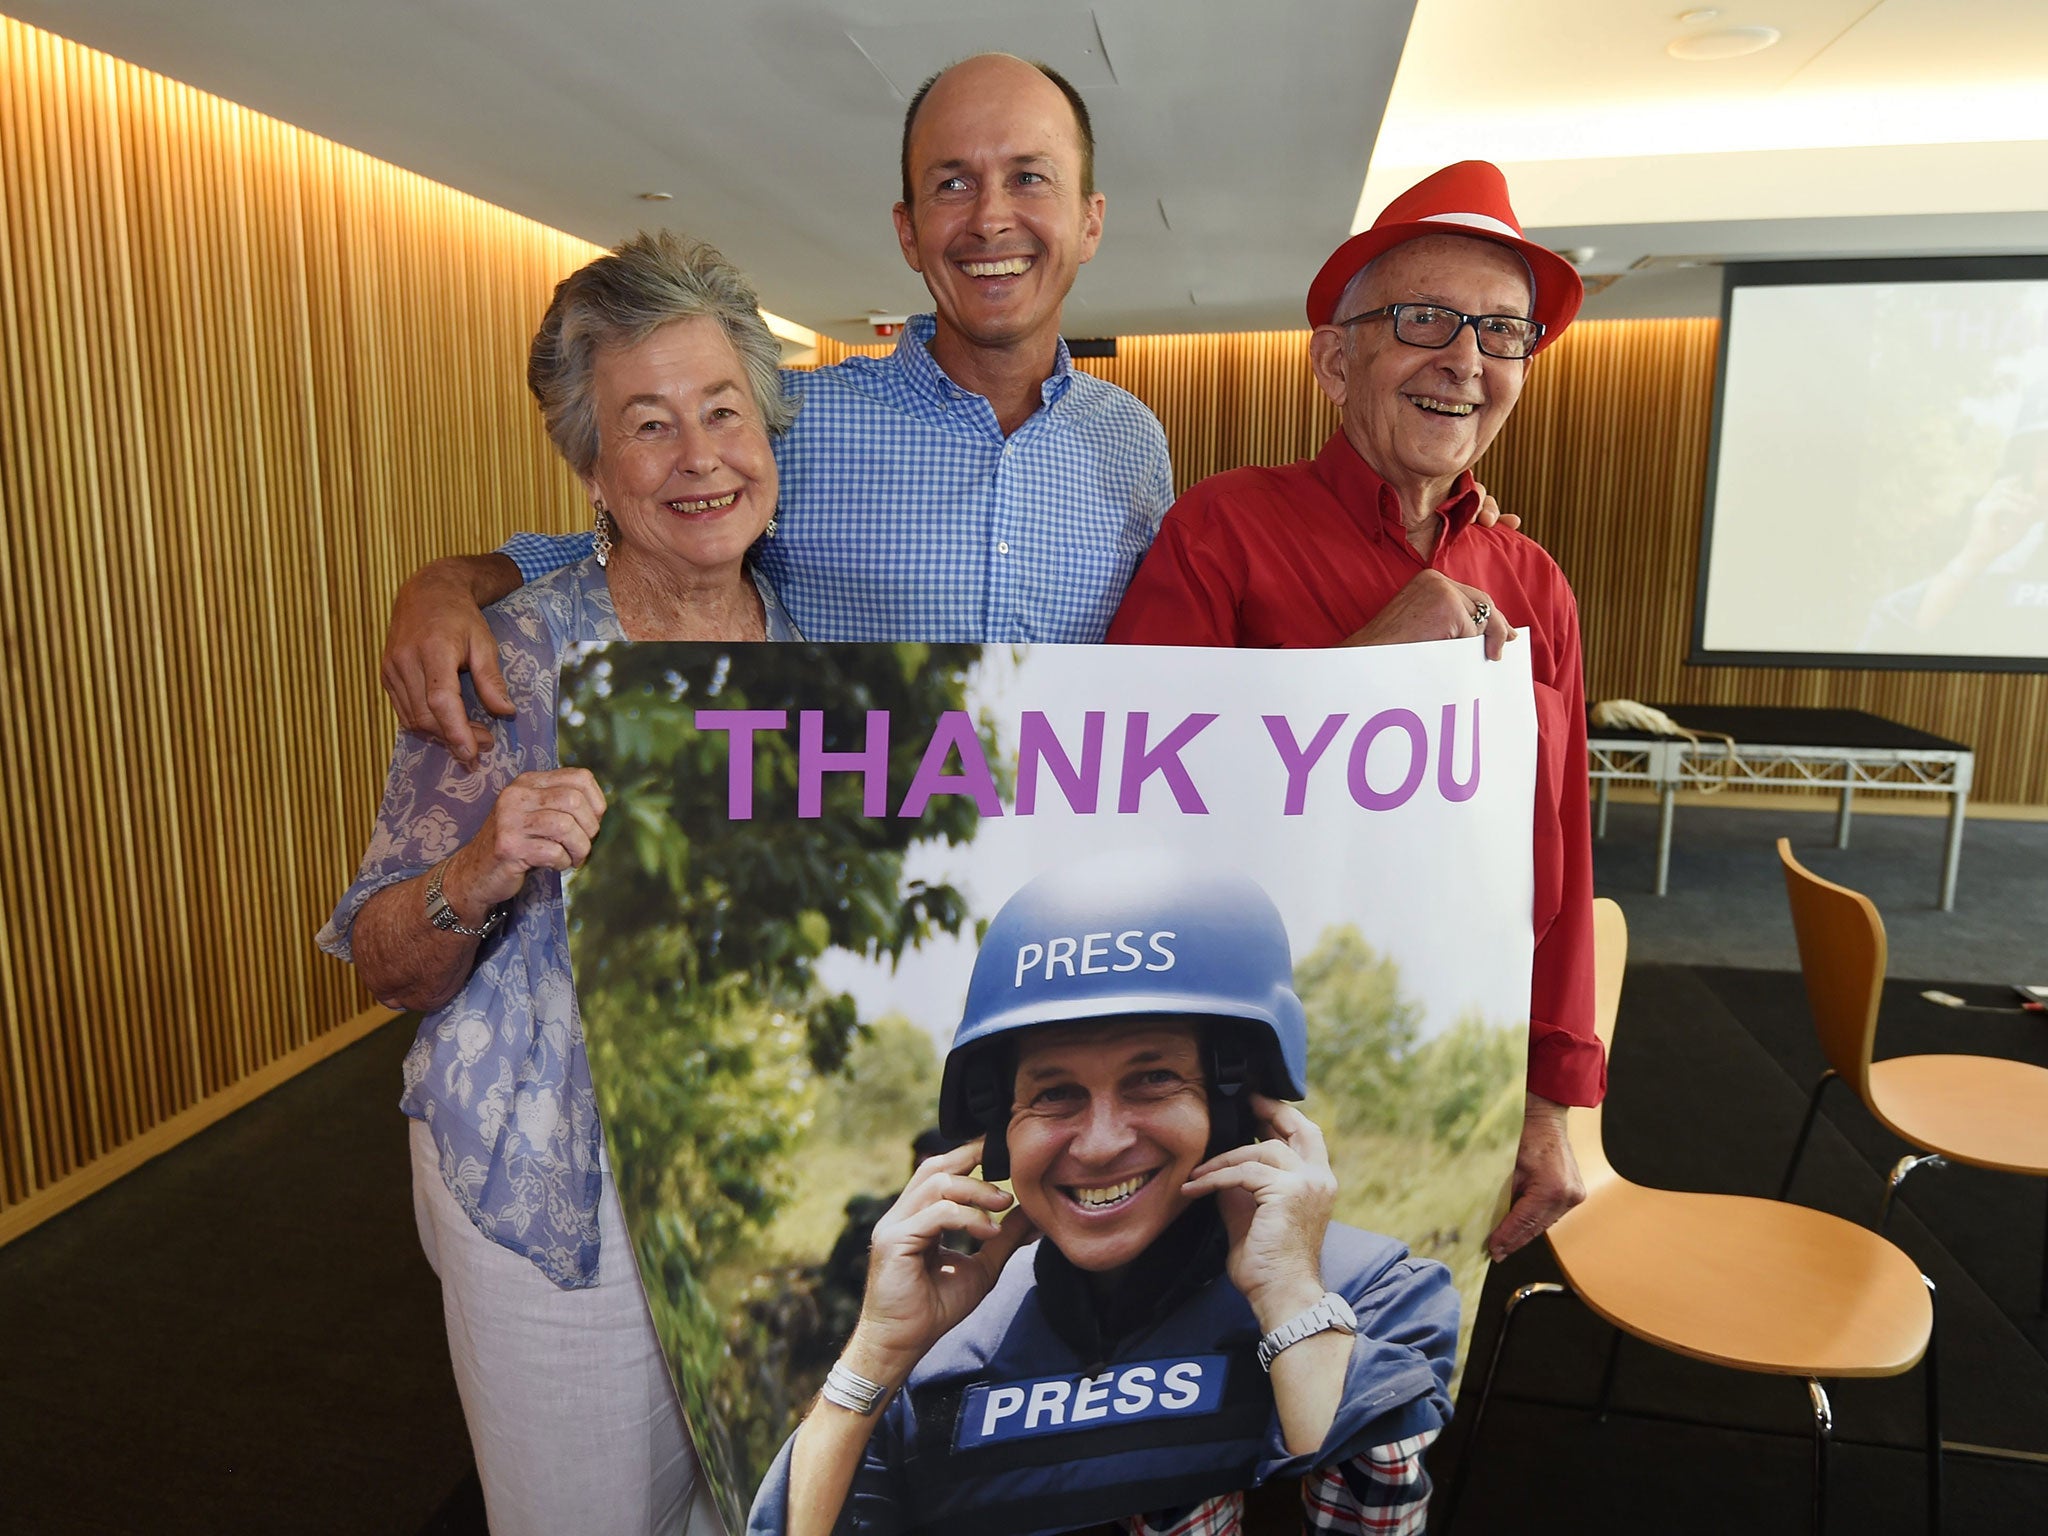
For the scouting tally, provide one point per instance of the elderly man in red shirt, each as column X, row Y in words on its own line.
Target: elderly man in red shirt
column 1424, row 326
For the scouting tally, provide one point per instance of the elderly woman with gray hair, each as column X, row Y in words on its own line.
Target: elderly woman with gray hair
column 658, row 381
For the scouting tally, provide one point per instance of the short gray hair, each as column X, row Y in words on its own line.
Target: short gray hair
column 621, row 299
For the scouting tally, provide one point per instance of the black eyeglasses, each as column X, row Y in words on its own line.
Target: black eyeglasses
column 1435, row 327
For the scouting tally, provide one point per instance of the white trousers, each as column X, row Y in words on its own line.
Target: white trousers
column 571, row 1412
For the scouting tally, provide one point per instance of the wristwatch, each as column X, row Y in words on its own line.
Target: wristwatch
column 444, row 917
column 1333, row 1312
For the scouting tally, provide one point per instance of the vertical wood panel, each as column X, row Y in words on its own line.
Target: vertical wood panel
column 248, row 380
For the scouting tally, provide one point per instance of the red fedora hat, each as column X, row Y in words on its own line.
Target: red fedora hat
column 1469, row 198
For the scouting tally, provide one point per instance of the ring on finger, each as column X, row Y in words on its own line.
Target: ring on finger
column 1481, row 614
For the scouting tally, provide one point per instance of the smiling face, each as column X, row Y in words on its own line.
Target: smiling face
column 1421, row 417
column 1107, row 1123
column 683, row 461
column 999, row 225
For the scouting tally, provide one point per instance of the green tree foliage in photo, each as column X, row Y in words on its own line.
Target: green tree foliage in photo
column 1421, row 1132
column 1367, row 1062
column 1360, row 1028
column 695, row 939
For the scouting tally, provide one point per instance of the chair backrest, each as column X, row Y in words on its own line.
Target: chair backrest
column 1842, row 954
column 1610, row 959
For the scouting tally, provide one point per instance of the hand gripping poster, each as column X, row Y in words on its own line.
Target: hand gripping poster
column 1087, row 1074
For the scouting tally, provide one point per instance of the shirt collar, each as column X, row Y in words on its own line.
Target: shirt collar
column 1180, row 1261
column 913, row 355
column 1359, row 487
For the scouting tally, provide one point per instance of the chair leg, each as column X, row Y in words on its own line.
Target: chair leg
column 1607, row 1377
column 1500, row 1344
column 1805, row 1130
column 1900, row 1169
column 1823, row 1428
column 1930, row 1364
column 2044, row 1255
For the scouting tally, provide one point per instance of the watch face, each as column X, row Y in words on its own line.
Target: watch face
column 1341, row 1310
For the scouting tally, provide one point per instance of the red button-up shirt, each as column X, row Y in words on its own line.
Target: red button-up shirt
column 1306, row 554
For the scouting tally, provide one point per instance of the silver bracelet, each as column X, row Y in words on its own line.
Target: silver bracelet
column 851, row 1390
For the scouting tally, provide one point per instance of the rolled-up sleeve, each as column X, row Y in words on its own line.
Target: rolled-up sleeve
column 432, row 804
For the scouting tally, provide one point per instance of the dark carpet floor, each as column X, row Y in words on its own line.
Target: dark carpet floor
column 1726, row 901
column 240, row 1336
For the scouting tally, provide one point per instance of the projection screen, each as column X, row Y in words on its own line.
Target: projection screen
column 1877, row 490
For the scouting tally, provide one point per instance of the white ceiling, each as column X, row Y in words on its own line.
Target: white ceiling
column 1873, row 127
column 1234, row 138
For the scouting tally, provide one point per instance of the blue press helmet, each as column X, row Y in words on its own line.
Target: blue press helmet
column 1130, row 936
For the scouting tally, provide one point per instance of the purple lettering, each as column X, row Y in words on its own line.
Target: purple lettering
column 813, row 762
column 1447, row 783
column 1297, row 759
column 1164, row 759
column 1418, row 757
column 1037, row 742
column 955, row 733
column 739, row 782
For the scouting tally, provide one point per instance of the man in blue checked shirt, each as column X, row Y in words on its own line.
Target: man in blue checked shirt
column 972, row 486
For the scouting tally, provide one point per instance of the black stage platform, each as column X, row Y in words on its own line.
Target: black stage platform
column 1791, row 728
column 1758, row 747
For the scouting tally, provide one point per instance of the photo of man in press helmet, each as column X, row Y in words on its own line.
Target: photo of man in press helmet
column 1161, row 1313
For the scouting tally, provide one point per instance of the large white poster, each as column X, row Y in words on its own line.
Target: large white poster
column 807, row 850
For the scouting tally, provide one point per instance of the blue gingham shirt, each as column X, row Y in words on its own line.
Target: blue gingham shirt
column 906, row 514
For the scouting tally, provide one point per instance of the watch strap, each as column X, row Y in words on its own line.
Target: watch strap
column 852, row 1391
column 1331, row 1313
column 441, row 912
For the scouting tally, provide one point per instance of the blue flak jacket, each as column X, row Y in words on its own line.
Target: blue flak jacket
column 1039, row 1414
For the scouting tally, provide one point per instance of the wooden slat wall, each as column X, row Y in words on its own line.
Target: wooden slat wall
column 1605, row 459
column 250, row 378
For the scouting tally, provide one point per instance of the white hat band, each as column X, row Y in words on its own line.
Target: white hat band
column 1473, row 221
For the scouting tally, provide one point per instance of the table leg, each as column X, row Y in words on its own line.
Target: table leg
column 1842, row 811
column 1667, row 800
column 1600, row 808
column 1953, row 854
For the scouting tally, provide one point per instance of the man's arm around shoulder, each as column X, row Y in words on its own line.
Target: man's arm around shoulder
column 438, row 632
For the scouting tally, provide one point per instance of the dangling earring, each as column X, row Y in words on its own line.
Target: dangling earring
column 769, row 531
column 604, row 535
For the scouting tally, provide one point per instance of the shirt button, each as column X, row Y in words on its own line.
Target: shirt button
column 1002, row 546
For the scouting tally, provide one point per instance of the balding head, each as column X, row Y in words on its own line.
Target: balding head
column 981, row 72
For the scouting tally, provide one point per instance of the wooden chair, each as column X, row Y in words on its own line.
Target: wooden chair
column 1987, row 1111
column 1755, row 1284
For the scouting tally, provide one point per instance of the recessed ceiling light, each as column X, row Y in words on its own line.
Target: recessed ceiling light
column 1728, row 43
column 1688, row 18
column 657, row 197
